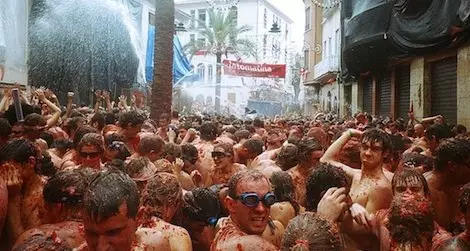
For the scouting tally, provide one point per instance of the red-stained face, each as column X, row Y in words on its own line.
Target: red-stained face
column 251, row 220
column 411, row 186
column 113, row 234
column 315, row 157
column 90, row 156
column 372, row 154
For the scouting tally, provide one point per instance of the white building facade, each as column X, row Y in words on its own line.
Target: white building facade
column 326, row 72
column 272, row 48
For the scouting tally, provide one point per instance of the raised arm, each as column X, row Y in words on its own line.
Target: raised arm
column 335, row 149
column 56, row 116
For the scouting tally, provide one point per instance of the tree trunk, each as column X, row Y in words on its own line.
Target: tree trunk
column 218, row 78
column 163, row 59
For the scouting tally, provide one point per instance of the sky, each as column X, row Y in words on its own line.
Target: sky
column 296, row 11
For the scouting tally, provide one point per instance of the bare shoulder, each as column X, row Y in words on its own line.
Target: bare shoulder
column 247, row 243
column 151, row 239
column 239, row 167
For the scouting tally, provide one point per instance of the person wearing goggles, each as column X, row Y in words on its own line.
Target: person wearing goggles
column 248, row 202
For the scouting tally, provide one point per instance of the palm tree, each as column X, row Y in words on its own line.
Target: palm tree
column 163, row 59
column 221, row 38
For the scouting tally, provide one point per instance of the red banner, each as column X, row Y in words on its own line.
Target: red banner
column 236, row 68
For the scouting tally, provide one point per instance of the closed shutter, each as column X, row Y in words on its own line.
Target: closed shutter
column 402, row 78
column 385, row 95
column 367, row 95
column 444, row 89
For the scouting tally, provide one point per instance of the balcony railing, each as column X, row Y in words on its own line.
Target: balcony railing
column 328, row 64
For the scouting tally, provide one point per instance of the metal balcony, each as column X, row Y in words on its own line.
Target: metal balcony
column 328, row 65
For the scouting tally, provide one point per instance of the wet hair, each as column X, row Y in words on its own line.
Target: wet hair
column 110, row 118
column 81, row 131
column 283, row 188
column 46, row 167
column 19, row 150
column 246, row 175
column 91, row 139
column 409, row 219
column 62, row 144
column 48, row 137
column 161, row 190
column 164, row 116
column 42, row 243
column 257, row 122
column 287, row 157
column 110, row 138
column 415, row 159
column 306, row 146
column 201, row 204
column 254, row 146
column 74, row 123
column 228, row 148
column 150, row 143
column 464, row 198
column 454, row 244
column 309, row 232
column 438, row 131
column 5, row 128
column 410, row 175
column 461, row 129
column 132, row 118
column 232, row 130
column 137, row 165
column 292, row 139
column 108, row 191
column 323, row 178
column 116, row 165
column 68, row 186
column 171, row 150
column 377, row 136
column 189, row 153
column 454, row 150
column 208, row 131
column 100, row 118
column 242, row 134
column 35, row 119
column 10, row 114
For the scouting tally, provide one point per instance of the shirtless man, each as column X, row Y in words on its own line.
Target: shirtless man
column 205, row 148
column 310, row 151
column 63, row 195
column 20, row 160
column 130, row 124
column 224, row 165
column 409, row 223
column 150, row 146
column 370, row 187
column 464, row 206
column 248, row 202
column 249, row 151
column 161, row 199
column 451, row 171
column 109, row 216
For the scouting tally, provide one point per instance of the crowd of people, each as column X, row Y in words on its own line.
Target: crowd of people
column 110, row 178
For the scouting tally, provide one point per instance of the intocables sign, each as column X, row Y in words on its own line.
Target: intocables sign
column 236, row 68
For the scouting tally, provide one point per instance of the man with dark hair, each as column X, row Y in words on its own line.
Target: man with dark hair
column 434, row 135
column 20, row 161
column 150, row 146
column 451, row 171
column 249, row 150
column 190, row 156
column 205, row 148
column 309, row 153
column 375, row 148
column 163, row 126
column 130, row 124
column 109, row 215
column 225, row 165
column 98, row 121
column 161, row 199
column 249, row 200
column 63, row 196
column 288, row 157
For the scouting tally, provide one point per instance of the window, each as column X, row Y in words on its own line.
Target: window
column 338, row 42
column 265, row 42
column 306, row 59
column 232, row 98
column 307, row 18
column 330, row 48
column 202, row 17
column 324, row 50
column 210, row 73
column 192, row 37
column 193, row 19
column 265, row 18
column 287, row 33
column 151, row 19
column 234, row 10
column 201, row 71
column 201, row 40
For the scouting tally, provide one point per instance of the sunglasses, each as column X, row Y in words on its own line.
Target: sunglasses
column 252, row 199
column 220, row 154
column 91, row 155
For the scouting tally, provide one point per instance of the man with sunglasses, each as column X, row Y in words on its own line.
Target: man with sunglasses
column 225, row 166
column 248, row 202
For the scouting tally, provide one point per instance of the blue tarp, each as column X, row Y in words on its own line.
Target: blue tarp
column 181, row 65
